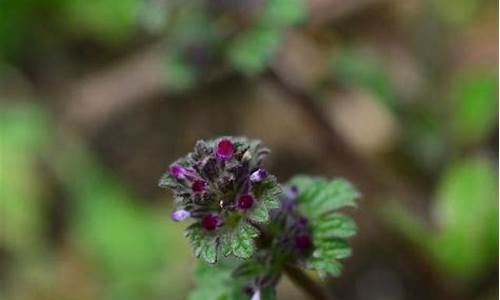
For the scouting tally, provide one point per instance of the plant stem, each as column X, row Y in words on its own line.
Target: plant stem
column 309, row 286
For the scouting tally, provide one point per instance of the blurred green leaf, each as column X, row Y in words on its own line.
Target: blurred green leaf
column 24, row 131
column 251, row 51
column 108, row 20
column 466, row 210
column 366, row 72
column 334, row 226
column 180, row 75
column 475, row 107
column 456, row 12
column 129, row 244
column 279, row 13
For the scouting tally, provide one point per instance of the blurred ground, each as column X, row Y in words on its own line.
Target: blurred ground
column 401, row 97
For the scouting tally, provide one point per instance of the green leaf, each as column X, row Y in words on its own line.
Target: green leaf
column 326, row 268
column 328, row 249
column 268, row 192
column 251, row 51
column 367, row 72
column 475, row 107
column 268, row 293
column 281, row 13
column 334, row 226
column 467, row 211
column 25, row 132
column 271, row 192
column 319, row 196
column 204, row 244
column 108, row 20
column 214, row 282
column 260, row 214
column 242, row 242
column 180, row 76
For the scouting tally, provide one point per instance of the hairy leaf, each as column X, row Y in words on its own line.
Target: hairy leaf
column 319, row 196
column 204, row 245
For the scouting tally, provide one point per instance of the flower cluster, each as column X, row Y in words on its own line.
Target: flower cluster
column 237, row 208
column 223, row 187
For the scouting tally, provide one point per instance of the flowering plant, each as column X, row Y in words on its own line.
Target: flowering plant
column 248, row 227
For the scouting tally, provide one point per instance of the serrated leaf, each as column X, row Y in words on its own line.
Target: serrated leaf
column 251, row 51
column 334, row 226
column 214, row 282
column 271, row 192
column 204, row 245
column 325, row 268
column 332, row 249
column 242, row 242
column 260, row 214
column 318, row 196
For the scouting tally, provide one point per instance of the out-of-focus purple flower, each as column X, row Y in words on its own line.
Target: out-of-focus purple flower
column 245, row 202
column 258, row 176
column 210, row 222
column 225, row 149
column 180, row 215
column 303, row 241
column 256, row 295
column 178, row 172
column 292, row 192
column 199, row 186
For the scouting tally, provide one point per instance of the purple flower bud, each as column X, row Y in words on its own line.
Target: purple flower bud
column 292, row 192
column 245, row 202
column 180, row 215
column 199, row 186
column 178, row 172
column 210, row 222
column 258, row 175
column 225, row 149
column 303, row 241
column 256, row 295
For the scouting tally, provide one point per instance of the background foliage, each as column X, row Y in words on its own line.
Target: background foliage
column 98, row 97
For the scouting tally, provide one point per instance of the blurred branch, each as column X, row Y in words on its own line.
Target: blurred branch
column 92, row 100
column 353, row 165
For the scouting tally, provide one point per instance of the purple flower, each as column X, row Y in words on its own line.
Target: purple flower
column 245, row 202
column 199, row 186
column 178, row 172
column 210, row 222
column 303, row 241
column 256, row 295
column 225, row 149
column 292, row 192
column 258, row 176
column 180, row 215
